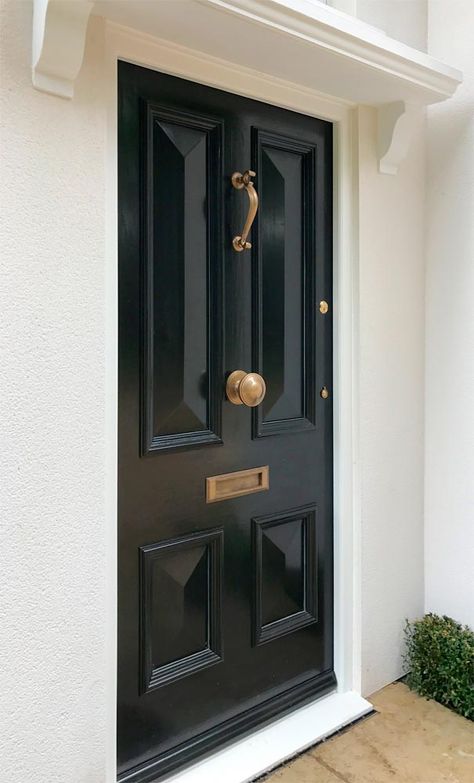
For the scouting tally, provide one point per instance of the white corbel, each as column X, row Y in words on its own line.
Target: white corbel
column 59, row 35
column 394, row 132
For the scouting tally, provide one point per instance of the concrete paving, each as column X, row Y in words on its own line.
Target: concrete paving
column 410, row 740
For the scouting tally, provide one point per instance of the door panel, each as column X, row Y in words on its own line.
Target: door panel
column 180, row 600
column 182, row 356
column 284, row 309
column 225, row 608
column 285, row 547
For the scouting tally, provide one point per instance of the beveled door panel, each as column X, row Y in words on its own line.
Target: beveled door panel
column 283, row 281
column 180, row 606
column 182, row 247
column 285, row 558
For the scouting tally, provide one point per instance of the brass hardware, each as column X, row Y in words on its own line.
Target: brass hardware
column 324, row 393
column 323, row 307
column 245, row 388
column 240, row 181
column 232, row 485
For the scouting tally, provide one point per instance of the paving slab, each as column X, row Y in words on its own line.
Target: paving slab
column 304, row 769
column 408, row 740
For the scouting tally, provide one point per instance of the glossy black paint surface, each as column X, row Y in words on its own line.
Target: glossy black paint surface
column 225, row 610
column 283, row 282
column 286, row 573
column 182, row 213
column 181, row 593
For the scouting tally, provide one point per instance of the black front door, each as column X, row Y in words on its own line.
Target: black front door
column 225, row 584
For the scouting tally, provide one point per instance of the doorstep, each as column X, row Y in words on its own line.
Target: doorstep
column 268, row 747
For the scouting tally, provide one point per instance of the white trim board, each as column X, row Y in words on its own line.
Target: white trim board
column 267, row 748
column 142, row 49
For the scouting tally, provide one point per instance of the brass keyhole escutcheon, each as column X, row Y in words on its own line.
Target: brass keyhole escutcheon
column 324, row 393
column 245, row 388
column 323, row 307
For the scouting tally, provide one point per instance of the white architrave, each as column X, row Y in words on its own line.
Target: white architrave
column 394, row 131
column 59, row 35
column 168, row 57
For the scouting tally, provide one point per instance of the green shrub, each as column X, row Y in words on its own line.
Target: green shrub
column 440, row 661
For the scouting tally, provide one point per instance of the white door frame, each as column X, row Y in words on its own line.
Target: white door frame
column 144, row 50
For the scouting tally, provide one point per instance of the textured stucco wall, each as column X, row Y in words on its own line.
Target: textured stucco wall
column 449, row 499
column 391, row 286
column 391, row 424
column 53, row 669
column 404, row 20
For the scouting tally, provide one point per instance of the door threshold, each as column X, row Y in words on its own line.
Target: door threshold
column 245, row 760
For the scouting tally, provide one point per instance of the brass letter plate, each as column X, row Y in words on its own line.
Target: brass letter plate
column 232, row 485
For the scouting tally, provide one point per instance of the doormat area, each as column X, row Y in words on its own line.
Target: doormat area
column 407, row 739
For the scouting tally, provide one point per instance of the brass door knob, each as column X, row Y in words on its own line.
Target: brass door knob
column 245, row 388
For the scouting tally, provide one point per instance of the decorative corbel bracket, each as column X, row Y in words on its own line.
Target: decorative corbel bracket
column 394, row 132
column 59, row 35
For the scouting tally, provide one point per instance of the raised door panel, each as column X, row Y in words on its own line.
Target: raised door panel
column 180, row 607
column 283, row 283
column 182, row 280
column 285, row 573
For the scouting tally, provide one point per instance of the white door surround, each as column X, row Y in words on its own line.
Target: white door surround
column 266, row 748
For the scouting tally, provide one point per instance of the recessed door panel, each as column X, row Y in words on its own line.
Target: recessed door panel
column 284, row 313
column 182, row 283
column 180, row 603
column 285, row 573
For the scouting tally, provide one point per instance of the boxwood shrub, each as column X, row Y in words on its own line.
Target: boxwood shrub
column 440, row 662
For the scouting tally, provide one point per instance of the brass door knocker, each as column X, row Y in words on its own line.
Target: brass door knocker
column 240, row 181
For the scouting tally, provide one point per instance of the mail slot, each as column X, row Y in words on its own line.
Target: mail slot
column 232, row 485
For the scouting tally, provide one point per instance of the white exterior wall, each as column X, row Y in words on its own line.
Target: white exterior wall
column 404, row 20
column 391, row 289
column 57, row 670
column 449, row 446
column 54, row 670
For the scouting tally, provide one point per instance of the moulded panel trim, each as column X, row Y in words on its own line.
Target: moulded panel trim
column 307, row 420
column 266, row 632
column 152, row 676
column 210, row 433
